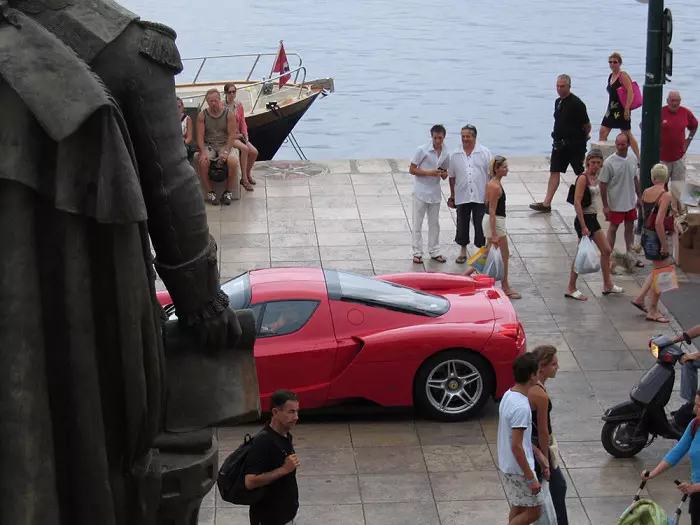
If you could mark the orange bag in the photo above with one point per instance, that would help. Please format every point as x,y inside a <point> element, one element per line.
<point>665,279</point>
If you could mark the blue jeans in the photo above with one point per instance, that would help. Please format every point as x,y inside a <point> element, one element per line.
<point>689,379</point>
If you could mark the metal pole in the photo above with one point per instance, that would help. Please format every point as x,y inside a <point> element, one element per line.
<point>653,93</point>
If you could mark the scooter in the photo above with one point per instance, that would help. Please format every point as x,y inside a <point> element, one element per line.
<point>629,424</point>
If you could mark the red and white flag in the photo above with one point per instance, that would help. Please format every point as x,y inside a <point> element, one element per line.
<point>281,65</point>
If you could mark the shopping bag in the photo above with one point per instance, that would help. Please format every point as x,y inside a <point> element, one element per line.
<point>494,264</point>
<point>665,279</point>
<point>587,258</point>
<point>478,260</point>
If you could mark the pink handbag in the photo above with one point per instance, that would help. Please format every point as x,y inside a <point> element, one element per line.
<point>636,101</point>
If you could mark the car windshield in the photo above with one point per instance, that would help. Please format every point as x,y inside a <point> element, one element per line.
<point>344,286</point>
<point>237,289</point>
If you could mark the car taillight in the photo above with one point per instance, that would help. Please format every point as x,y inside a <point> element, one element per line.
<point>511,330</point>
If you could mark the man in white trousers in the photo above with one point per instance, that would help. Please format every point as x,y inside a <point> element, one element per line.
<point>426,167</point>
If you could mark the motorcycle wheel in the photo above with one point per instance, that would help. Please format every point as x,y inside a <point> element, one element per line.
<point>612,436</point>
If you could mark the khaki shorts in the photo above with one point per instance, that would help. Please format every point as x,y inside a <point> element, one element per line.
<point>213,152</point>
<point>500,226</point>
<point>518,492</point>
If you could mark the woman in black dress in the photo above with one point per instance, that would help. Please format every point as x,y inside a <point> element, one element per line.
<point>617,116</point>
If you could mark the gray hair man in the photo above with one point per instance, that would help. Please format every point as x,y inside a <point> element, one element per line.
<point>675,120</point>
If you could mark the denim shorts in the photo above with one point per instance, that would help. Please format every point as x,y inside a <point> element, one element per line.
<point>652,246</point>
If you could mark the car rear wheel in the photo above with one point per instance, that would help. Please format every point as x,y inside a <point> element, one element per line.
<point>453,385</point>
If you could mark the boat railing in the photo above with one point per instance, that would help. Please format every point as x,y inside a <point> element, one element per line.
<point>203,61</point>
<point>261,91</point>
<point>270,80</point>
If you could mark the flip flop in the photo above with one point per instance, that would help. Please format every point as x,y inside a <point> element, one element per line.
<point>639,306</point>
<point>246,185</point>
<point>614,290</point>
<point>659,319</point>
<point>514,295</point>
<point>417,259</point>
<point>439,258</point>
<point>461,259</point>
<point>576,296</point>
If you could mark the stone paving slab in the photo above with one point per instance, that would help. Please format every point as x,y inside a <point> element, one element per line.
<point>390,468</point>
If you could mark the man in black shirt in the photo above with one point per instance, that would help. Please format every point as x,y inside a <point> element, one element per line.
<point>572,129</point>
<point>271,464</point>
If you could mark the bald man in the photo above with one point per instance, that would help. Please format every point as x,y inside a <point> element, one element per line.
<point>675,119</point>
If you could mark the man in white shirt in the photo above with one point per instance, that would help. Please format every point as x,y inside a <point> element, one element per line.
<point>516,457</point>
<point>468,168</point>
<point>620,192</point>
<point>426,167</point>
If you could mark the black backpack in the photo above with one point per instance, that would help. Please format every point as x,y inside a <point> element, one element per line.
<point>231,481</point>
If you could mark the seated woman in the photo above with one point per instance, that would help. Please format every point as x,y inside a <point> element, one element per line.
<point>248,152</point>
<point>187,128</point>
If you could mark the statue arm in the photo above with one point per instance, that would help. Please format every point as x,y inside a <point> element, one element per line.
<point>177,222</point>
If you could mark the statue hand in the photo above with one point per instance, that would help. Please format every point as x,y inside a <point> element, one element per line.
<point>221,331</point>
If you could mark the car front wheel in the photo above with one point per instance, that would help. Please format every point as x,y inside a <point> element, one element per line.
<point>453,385</point>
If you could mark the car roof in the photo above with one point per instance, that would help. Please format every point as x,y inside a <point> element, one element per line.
<point>291,274</point>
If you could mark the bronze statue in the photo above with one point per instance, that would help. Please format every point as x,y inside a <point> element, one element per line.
<point>92,172</point>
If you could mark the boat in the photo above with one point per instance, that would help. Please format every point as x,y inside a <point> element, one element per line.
<point>272,108</point>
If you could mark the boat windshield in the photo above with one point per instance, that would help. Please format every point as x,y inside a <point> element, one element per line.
<point>343,286</point>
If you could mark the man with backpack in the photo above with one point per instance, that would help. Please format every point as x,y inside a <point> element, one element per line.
<point>269,468</point>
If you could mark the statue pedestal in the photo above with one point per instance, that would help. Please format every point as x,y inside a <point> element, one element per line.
<point>607,147</point>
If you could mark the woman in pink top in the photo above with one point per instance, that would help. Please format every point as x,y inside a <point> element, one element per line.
<point>248,152</point>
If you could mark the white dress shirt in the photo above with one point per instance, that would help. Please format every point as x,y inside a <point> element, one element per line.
<point>427,189</point>
<point>470,173</point>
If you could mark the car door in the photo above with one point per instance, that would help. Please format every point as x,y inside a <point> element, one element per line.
<point>295,349</point>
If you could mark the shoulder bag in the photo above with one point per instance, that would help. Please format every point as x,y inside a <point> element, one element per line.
<point>586,200</point>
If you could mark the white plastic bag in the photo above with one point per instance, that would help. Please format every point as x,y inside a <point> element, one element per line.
<point>549,514</point>
<point>494,264</point>
<point>587,258</point>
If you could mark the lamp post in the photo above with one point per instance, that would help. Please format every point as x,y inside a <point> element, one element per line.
<point>658,66</point>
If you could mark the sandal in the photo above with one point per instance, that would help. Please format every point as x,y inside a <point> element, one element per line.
<point>614,290</point>
<point>252,180</point>
<point>639,306</point>
<point>576,295</point>
<point>246,185</point>
<point>417,259</point>
<point>514,295</point>
<point>439,258</point>
<point>461,259</point>
<point>658,319</point>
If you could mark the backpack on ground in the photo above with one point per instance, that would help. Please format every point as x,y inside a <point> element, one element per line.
<point>231,480</point>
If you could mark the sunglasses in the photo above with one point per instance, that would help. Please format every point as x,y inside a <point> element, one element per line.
<point>231,92</point>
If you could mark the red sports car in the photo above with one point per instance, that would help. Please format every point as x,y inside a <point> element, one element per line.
<point>441,342</point>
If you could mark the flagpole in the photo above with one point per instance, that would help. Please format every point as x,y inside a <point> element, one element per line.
<point>277,56</point>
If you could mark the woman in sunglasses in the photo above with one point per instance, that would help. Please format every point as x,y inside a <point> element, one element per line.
<point>617,116</point>
<point>248,152</point>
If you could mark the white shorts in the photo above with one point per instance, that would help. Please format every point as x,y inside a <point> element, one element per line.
<point>500,226</point>
<point>518,492</point>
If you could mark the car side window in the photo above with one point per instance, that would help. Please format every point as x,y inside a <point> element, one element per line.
<point>285,317</point>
